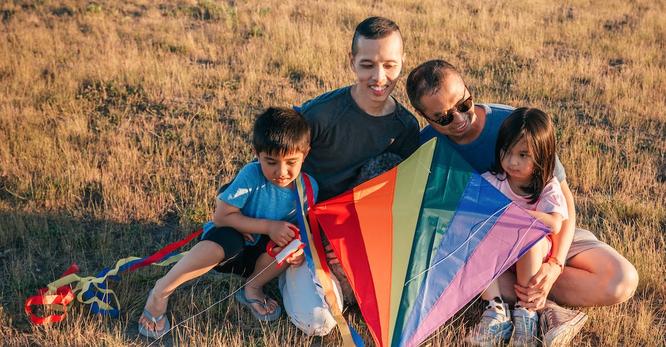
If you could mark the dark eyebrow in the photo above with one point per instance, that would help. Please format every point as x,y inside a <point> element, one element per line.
<point>381,62</point>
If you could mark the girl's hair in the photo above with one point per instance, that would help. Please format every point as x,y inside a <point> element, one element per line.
<point>537,128</point>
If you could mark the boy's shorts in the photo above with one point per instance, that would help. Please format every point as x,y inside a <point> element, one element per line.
<point>239,258</point>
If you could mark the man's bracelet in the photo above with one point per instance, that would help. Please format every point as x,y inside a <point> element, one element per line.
<point>557,262</point>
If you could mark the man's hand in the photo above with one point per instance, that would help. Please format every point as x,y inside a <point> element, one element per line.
<point>330,255</point>
<point>533,297</point>
<point>281,232</point>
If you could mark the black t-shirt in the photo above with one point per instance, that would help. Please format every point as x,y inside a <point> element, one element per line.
<point>344,138</point>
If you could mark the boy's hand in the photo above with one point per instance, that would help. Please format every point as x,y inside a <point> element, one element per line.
<point>247,237</point>
<point>281,232</point>
<point>296,259</point>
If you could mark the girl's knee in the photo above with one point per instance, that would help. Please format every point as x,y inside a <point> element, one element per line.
<point>538,251</point>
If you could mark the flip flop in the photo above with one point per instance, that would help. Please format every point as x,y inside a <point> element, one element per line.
<point>269,317</point>
<point>154,333</point>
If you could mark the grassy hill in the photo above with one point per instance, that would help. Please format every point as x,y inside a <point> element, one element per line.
<point>118,121</point>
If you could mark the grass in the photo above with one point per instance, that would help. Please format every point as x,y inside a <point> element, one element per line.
<point>118,121</point>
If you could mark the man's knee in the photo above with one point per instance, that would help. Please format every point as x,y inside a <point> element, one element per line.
<point>623,285</point>
<point>318,322</point>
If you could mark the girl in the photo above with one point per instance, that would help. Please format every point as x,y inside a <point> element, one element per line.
<point>523,171</point>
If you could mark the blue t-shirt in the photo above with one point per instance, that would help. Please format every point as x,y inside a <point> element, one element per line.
<point>257,197</point>
<point>480,153</point>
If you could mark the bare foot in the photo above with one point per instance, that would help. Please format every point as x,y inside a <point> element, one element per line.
<point>258,294</point>
<point>156,306</point>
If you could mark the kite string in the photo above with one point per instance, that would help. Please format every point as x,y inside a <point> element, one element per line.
<point>215,303</point>
<point>469,237</point>
<point>495,277</point>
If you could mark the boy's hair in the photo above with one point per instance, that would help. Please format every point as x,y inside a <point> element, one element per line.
<point>280,131</point>
<point>373,28</point>
<point>427,78</point>
<point>539,133</point>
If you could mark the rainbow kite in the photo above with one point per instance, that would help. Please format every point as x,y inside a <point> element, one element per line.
<point>423,239</point>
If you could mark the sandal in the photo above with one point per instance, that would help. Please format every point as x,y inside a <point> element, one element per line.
<point>154,333</point>
<point>269,317</point>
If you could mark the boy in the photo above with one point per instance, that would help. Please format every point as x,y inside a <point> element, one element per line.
<point>256,207</point>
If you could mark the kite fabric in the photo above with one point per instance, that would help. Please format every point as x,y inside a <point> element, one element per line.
<point>422,240</point>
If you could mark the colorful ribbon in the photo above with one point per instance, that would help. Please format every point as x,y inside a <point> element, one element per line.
<point>316,259</point>
<point>92,290</point>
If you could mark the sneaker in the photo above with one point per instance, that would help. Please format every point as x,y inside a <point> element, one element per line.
<point>560,325</point>
<point>525,328</point>
<point>494,328</point>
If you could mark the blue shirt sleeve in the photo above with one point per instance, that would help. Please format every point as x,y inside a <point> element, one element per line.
<point>426,134</point>
<point>244,185</point>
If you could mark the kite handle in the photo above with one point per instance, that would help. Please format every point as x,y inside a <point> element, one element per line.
<point>294,245</point>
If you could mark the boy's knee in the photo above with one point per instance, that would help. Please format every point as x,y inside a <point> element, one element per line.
<point>319,322</point>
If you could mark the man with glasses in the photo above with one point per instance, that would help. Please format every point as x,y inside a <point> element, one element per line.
<point>583,270</point>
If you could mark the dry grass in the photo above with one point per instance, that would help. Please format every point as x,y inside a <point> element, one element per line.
<point>118,122</point>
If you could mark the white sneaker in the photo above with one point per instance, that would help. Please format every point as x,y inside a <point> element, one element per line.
<point>560,325</point>
<point>494,328</point>
<point>525,329</point>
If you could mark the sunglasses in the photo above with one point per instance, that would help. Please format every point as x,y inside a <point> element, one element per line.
<point>460,107</point>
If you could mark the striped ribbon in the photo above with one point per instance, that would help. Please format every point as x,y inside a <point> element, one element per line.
<point>316,259</point>
<point>92,290</point>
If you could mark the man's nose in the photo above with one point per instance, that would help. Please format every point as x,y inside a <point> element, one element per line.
<point>379,74</point>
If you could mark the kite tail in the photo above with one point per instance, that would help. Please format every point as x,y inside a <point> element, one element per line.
<point>92,290</point>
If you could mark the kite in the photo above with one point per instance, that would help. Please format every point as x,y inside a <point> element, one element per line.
<point>422,240</point>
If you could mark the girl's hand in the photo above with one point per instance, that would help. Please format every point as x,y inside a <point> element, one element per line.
<point>534,295</point>
<point>281,232</point>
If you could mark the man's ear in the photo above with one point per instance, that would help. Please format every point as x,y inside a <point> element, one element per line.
<point>350,56</point>
<point>306,152</point>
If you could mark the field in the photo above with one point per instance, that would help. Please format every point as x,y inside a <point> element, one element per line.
<point>118,121</point>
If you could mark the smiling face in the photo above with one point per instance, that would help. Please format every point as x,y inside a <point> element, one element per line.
<point>281,170</point>
<point>377,65</point>
<point>449,97</point>
<point>518,164</point>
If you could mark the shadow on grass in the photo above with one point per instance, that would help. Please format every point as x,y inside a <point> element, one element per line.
<point>37,248</point>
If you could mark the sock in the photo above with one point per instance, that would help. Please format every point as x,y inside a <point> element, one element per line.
<point>519,307</point>
<point>496,304</point>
